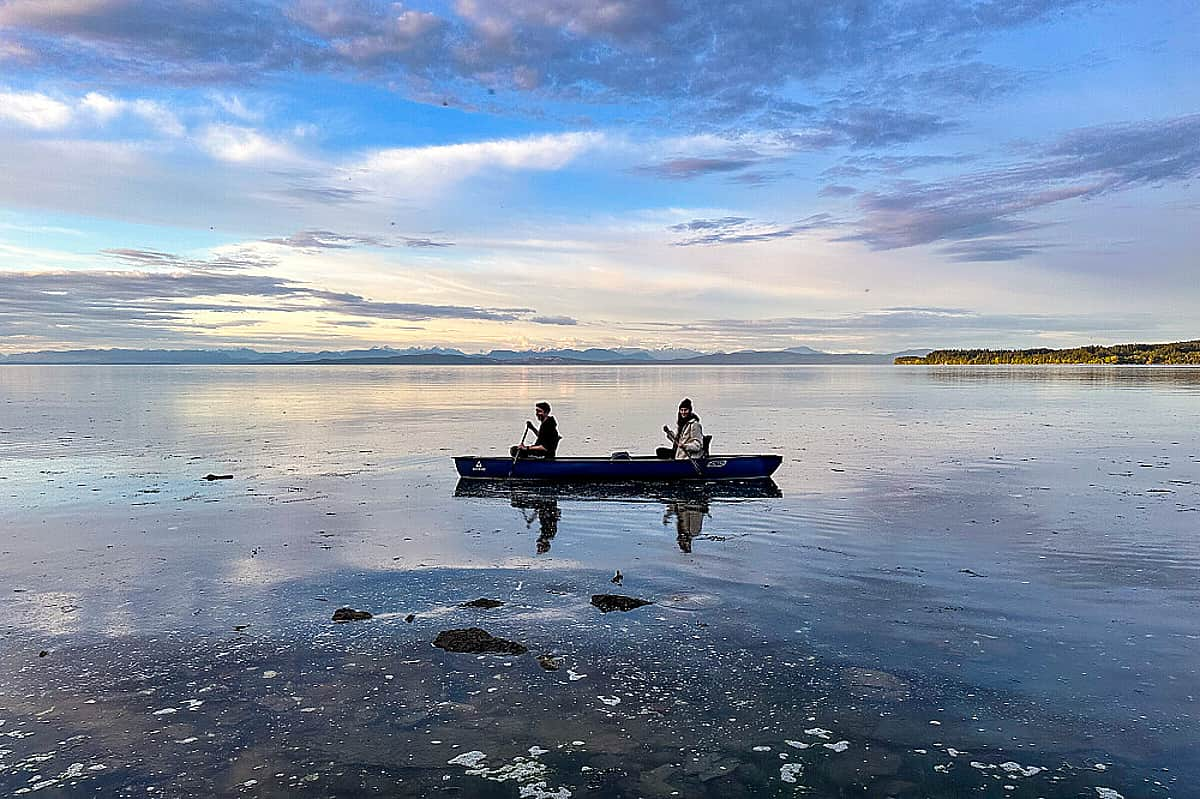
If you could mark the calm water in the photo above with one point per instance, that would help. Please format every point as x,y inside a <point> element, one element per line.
<point>962,582</point>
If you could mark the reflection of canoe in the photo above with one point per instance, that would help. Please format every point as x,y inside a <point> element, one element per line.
<point>635,469</point>
<point>525,493</point>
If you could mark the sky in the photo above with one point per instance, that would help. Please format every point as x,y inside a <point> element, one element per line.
<point>850,175</point>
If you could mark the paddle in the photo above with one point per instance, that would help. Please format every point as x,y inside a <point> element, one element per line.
<point>517,454</point>
<point>691,460</point>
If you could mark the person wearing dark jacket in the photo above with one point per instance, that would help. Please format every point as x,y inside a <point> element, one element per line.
<point>687,438</point>
<point>547,436</point>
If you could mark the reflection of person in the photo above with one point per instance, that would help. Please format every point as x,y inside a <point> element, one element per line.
<point>687,439</point>
<point>689,521</point>
<point>547,435</point>
<point>547,513</point>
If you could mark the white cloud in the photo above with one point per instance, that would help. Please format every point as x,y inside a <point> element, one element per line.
<point>234,106</point>
<point>37,111</point>
<point>457,161</point>
<point>242,145</point>
<point>106,108</point>
<point>159,116</point>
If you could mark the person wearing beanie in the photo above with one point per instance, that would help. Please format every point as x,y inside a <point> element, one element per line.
<point>687,438</point>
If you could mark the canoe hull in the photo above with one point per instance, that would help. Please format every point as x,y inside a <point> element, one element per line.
<point>640,469</point>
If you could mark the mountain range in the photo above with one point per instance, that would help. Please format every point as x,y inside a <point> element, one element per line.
<point>630,356</point>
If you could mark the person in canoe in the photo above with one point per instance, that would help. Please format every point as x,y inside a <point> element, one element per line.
<point>687,438</point>
<point>546,431</point>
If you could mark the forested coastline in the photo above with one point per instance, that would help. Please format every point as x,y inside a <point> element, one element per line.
<point>1179,352</point>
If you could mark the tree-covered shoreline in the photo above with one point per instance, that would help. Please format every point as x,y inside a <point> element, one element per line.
<point>1179,352</point>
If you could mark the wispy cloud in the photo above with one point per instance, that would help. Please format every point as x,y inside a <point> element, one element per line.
<point>742,230</point>
<point>142,304</point>
<point>930,321</point>
<point>155,259</point>
<point>554,320</point>
<point>327,240</point>
<point>106,108</point>
<point>689,168</point>
<point>987,204</point>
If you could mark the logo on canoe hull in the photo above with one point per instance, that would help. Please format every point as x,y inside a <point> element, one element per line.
<point>715,464</point>
<point>479,467</point>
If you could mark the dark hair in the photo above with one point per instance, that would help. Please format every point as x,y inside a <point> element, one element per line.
<point>685,403</point>
<point>545,406</point>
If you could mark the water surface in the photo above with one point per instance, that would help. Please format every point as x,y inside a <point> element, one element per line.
<point>961,580</point>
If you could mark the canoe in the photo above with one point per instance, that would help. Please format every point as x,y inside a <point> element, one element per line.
<point>529,493</point>
<point>643,469</point>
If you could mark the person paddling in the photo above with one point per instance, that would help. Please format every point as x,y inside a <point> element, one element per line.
<point>547,436</point>
<point>687,438</point>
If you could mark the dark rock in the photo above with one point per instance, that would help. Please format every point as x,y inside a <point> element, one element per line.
<point>43,653</point>
<point>409,618</point>
<point>549,662</point>
<point>874,684</point>
<point>609,602</point>
<point>483,603</point>
<point>350,614</point>
<point>476,641</point>
<point>217,477</point>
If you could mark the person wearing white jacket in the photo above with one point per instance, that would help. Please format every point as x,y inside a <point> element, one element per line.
<point>687,438</point>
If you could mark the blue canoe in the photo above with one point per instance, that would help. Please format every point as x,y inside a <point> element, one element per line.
<point>632,469</point>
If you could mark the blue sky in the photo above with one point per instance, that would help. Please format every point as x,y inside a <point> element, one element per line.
<point>545,173</point>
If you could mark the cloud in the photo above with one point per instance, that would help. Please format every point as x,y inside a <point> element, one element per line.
<point>219,41</point>
<point>106,108</point>
<point>329,240</point>
<point>714,61</point>
<point>234,106</point>
<point>157,259</point>
<point>553,320</point>
<point>742,230</point>
<point>457,161</point>
<point>240,145</point>
<point>326,240</point>
<point>920,320</point>
<point>34,110</point>
<point>875,126</point>
<point>858,165</point>
<point>315,191</point>
<point>983,250</point>
<point>998,202</point>
<point>689,168</point>
<point>425,243</point>
<point>144,305</point>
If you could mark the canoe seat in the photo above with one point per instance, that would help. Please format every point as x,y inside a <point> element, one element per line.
<point>620,456</point>
<point>707,441</point>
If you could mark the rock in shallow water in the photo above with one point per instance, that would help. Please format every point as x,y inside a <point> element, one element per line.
<point>549,662</point>
<point>483,603</point>
<point>350,614</point>
<point>476,641</point>
<point>609,602</point>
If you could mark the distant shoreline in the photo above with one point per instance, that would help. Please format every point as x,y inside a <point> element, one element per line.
<point>507,358</point>
<point>1179,353</point>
